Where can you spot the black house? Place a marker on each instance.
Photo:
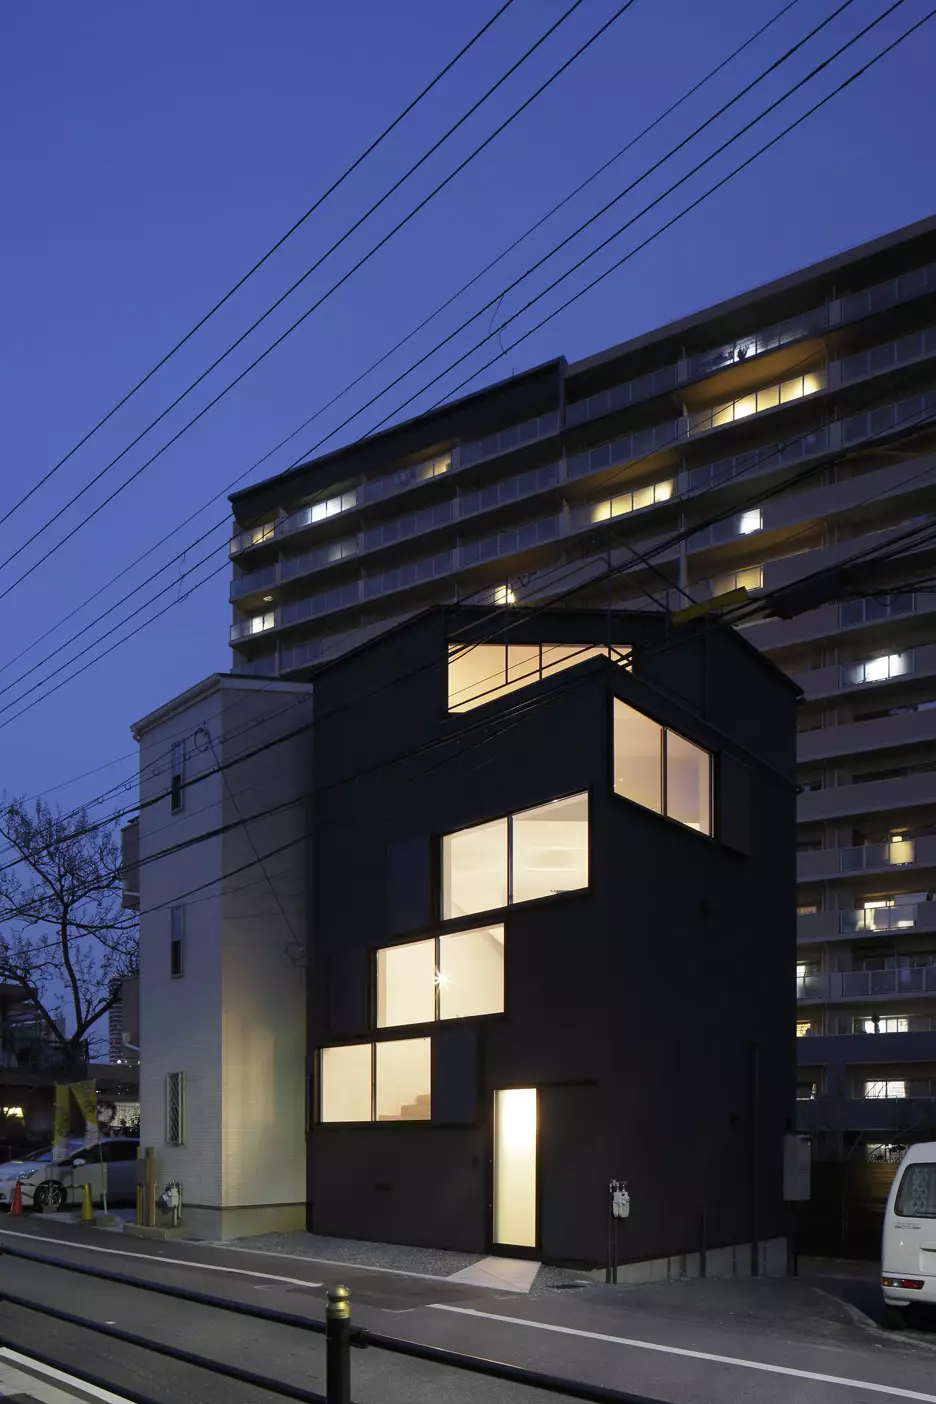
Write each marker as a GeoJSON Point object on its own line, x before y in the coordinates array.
{"type": "Point", "coordinates": [552, 935]}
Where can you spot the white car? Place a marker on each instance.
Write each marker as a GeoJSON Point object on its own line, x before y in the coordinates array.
{"type": "Point", "coordinates": [908, 1258]}
{"type": "Point", "coordinates": [48, 1184]}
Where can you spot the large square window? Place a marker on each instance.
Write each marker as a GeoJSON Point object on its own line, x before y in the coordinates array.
{"type": "Point", "coordinates": [406, 984]}
{"type": "Point", "coordinates": [661, 770]}
{"type": "Point", "coordinates": [471, 973]}
{"type": "Point", "coordinates": [638, 757]}
{"type": "Point", "coordinates": [346, 1082]}
{"type": "Point", "coordinates": [474, 870]}
{"type": "Point", "coordinates": [549, 849]}
{"type": "Point", "coordinates": [404, 1080]}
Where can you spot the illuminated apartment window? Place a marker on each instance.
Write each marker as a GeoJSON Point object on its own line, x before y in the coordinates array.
{"type": "Point", "coordinates": [889, 665]}
{"type": "Point", "coordinates": [768, 398]}
{"type": "Point", "coordinates": [751, 578]}
{"type": "Point", "coordinates": [661, 770]}
{"type": "Point", "coordinates": [504, 595]}
{"type": "Point", "coordinates": [347, 1082]}
{"type": "Point", "coordinates": [404, 1080]}
{"type": "Point", "coordinates": [457, 976]}
{"type": "Point", "coordinates": [477, 673]}
{"type": "Point", "coordinates": [891, 1023]}
{"type": "Point", "coordinates": [749, 522]}
{"type": "Point", "coordinates": [626, 502]}
{"type": "Point", "coordinates": [259, 623]}
{"type": "Point", "coordinates": [535, 853]}
{"type": "Point", "coordinates": [802, 1029]}
{"type": "Point", "coordinates": [321, 511]}
{"type": "Point", "coordinates": [897, 913]}
{"type": "Point", "coordinates": [887, 1089]}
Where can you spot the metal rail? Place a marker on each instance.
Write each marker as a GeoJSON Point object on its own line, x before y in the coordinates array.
{"type": "Point", "coordinates": [339, 1334]}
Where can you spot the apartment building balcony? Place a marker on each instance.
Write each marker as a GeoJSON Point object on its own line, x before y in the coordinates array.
{"type": "Point", "coordinates": [872, 617]}
{"type": "Point", "coordinates": [903, 793]}
{"type": "Point", "coordinates": [873, 675]}
{"type": "Point", "coordinates": [910, 855]}
{"type": "Point", "coordinates": [834, 986]}
{"type": "Point", "coordinates": [854, 738]}
{"type": "Point", "coordinates": [884, 1114]}
{"type": "Point", "coordinates": [846, 923]}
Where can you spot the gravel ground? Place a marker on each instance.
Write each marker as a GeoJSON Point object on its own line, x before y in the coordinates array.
{"type": "Point", "coordinates": [433, 1262]}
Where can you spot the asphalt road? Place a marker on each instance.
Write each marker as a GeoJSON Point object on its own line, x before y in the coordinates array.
{"type": "Point", "coordinates": [760, 1342]}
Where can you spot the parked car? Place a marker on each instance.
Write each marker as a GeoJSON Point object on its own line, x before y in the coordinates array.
{"type": "Point", "coordinates": [908, 1254]}
{"type": "Point", "coordinates": [48, 1184]}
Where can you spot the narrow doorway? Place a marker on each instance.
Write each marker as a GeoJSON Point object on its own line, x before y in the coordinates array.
{"type": "Point", "coordinates": [515, 1152]}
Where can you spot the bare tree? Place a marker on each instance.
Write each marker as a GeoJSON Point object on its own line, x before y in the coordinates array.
{"type": "Point", "coordinates": [64, 937]}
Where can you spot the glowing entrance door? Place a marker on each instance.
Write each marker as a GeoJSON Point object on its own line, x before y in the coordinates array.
{"type": "Point", "coordinates": [515, 1118]}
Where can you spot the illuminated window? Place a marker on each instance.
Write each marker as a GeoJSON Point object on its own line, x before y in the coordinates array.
{"type": "Point", "coordinates": [535, 853]}
{"type": "Point", "coordinates": [457, 976]}
{"type": "Point", "coordinates": [886, 1089]}
{"type": "Point", "coordinates": [626, 502]}
{"type": "Point", "coordinates": [404, 1080]}
{"type": "Point", "coordinates": [892, 1023]}
{"type": "Point", "coordinates": [477, 673]}
{"type": "Point", "coordinates": [890, 665]}
{"type": "Point", "coordinates": [661, 770]}
{"type": "Point", "coordinates": [755, 402]}
{"type": "Point", "coordinates": [751, 578]}
{"type": "Point", "coordinates": [346, 1083]}
{"type": "Point", "coordinates": [515, 1137]}
{"type": "Point", "coordinates": [749, 522]}
{"type": "Point", "coordinates": [321, 511]}
{"type": "Point", "coordinates": [503, 595]}
{"type": "Point", "coordinates": [802, 1029]}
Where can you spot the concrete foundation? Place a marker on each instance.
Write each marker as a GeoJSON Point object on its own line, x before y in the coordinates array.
{"type": "Point", "coordinates": [219, 1225]}
{"type": "Point", "coordinates": [733, 1261]}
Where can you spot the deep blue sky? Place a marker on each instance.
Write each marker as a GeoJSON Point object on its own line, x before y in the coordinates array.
{"type": "Point", "coordinates": [149, 154]}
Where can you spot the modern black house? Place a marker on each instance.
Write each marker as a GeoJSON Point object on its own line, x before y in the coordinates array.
{"type": "Point", "coordinates": [552, 930]}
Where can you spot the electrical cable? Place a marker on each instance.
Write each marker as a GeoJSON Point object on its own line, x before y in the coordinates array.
{"type": "Point", "coordinates": [398, 346]}
{"type": "Point", "coordinates": [346, 173]}
{"type": "Point", "coordinates": [365, 258]}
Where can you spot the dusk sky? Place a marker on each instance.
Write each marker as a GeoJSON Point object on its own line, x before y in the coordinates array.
{"type": "Point", "coordinates": [151, 153]}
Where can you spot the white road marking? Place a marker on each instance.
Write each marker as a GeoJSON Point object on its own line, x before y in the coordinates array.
{"type": "Point", "coordinates": [694, 1354]}
{"type": "Point", "coordinates": [159, 1258]}
{"type": "Point", "coordinates": [52, 1374]}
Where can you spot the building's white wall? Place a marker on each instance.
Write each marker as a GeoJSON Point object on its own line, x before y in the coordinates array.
{"type": "Point", "coordinates": [180, 1020]}
{"type": "Point", "coordinates": [234, 1023]}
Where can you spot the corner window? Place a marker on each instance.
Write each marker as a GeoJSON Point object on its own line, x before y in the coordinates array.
{"type": "Point", "coordinates": [661, 770]}
{"type": "Point", "coordinates": [176, 775]}
{"type": "Point", "coordinates": [535, 853]}
{"type": "Point", "coordinates": [458, 976]}
{"type": "Point", "coordinates": [382, 1082]}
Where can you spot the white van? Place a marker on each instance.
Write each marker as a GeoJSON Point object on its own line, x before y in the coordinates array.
{"type": "Point", "coordinates": [908, 1255]}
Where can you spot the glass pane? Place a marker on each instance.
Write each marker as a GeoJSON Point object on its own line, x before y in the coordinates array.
{"type": "Point", "coordinates": [559, 656]}
{"type": "Point", "coordinates": [515, 1167]}
{"type": "Point", "coordinates": [523, 662]}
{"type": "Point", "coordinates": [474, 870]}
{"type": "Point", "coordinates": [406, 984]}
{"type": "Point", "coordinates": [917, 1193]}
{"type": "Point", "coordinates": [638, 757]}
{"type": "Point", "coordinates": [346, 1083]}
{"type": "Point", "coordinates": [471, 973]}
{"type": "Point", "coordinates": [404, 1078]}
{"type": "Point", "coordinates": [688, 783]}
{"type": "Point", "coordinates": [474, 674]}
{"type": "Point", "coordinates": [550, 849]}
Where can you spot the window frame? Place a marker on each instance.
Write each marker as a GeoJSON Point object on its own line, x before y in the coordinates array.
{"type": "Point", "coordinates": [436, 937]}
{"type": "Point", "coordinates": [373, 1044]}
{"type": "Point", "coordinates": [176, 776]}
{"type": "Point", "coordinates": [662, 813]}
{"type": "Point", "coordinates": [473, 919]}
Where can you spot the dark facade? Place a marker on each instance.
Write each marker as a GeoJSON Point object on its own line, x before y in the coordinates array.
{"type": "Point", "coordinates": [652, 1010]}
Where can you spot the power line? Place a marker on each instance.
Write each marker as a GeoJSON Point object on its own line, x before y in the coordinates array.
{"type": "Point", "coordinates": [760, 77]}
{"type": "Point", "coordinates": [349, 170]}
{"type": "Point", "coordinates": [408, 337]}
{"type": "Point", "coordinates": [365, 258]}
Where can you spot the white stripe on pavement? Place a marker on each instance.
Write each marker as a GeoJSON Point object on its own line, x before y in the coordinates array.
{"type": "Point", "coordinates": [694, 1354]}
{"type": "Point", "coordinates": [34, 1367]}
{"type": "Point", "coordinates": [158, 1258]}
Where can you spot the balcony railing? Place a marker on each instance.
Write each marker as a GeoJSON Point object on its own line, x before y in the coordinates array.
{"type": "Point", "coordinates": [618, 451]}
{"type": "Point", "coordinates": [894, 854]}
{"type": "Point", "coordinates": [513, 438]}
{"type": "Point", "coordinates": [770, 397]}
{"type": "Point", "coordinates": [875, 608]}
{"type": "Point", "coordinates": [257, 624]}
{"type": "Point", "coordinates": [866, 984]}
{"type": "Point", "coordinates": [885, 1024]}
{"type": "Point", "coordinates": [871, 670]}
{"type": "Point", "coordinates": [884, 295]}
{"type": "Point", "coordinates": [900, 414]}
{"type": "Point", "coordinates": [793, 329]}
{"type": "Point", "coordinates": [631, 392]}
{"type": "Point", "coordinates": [376, 489]}
{"type": "Point", "coordinates": [877, 359]}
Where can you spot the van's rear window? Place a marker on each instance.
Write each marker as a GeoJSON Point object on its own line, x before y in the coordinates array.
{"type": "Point", "coordinates": [917, 1193]}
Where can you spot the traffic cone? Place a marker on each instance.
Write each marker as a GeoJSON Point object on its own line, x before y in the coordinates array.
{"type": "Point", "coordinates": [17, 1206]}
{"type": "Point", "coordinates": [87, 1208]}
